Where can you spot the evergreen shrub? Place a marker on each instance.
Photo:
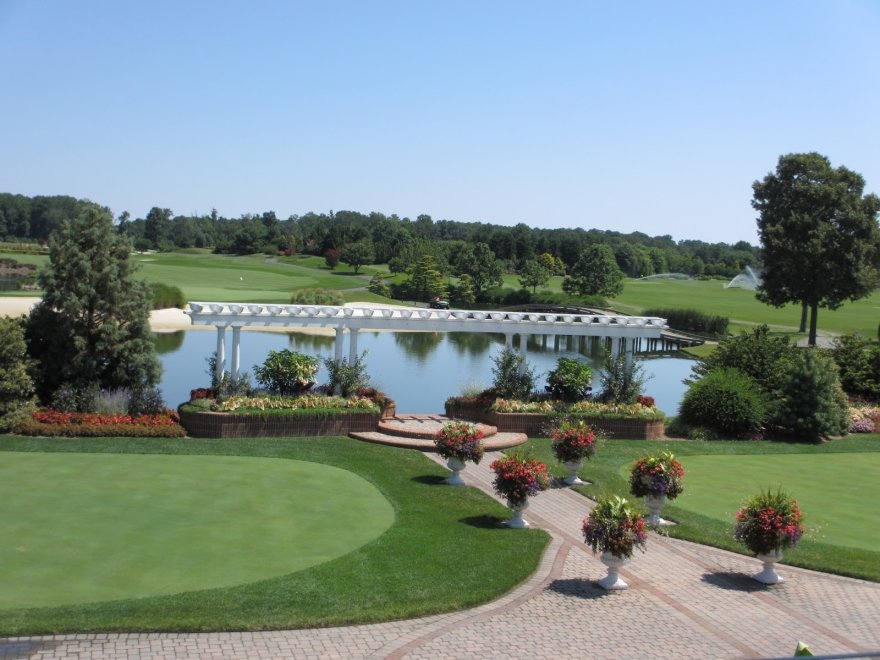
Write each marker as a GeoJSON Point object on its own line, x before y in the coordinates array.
{"type": "Point", "coordinates": [692, 320]}
{"type": "Point", "coordinates": [813, 404]}
{"type": "Point", "coordinates": [725, 400]}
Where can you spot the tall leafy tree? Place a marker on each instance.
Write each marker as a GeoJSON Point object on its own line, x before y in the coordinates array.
{"type": "Point", "coordinates": [818, 233]}
{"type": "Point", "coordinates": [16, 387]}
{"type": "Point", "coordinates": [478, 261]}
{"type": "Point", "coordinates": [533, 274]}
{"type": "Point", "coordinates": [157, 226]}
{"type": "Point", "coordinates": [595, 273]}
{"type": "Point", "coordinates": [357, 255]}
{"type": "Point", "coordinates": [91, 329]}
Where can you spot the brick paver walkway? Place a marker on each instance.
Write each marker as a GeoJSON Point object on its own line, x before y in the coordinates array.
{"type": "Point", "coordinates": [684, 601]}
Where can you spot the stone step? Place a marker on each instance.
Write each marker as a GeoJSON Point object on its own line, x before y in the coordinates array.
{"type": "Point", "coordinates": [495, 442]}
{"type": "Point", "coordinates": [424, 427]}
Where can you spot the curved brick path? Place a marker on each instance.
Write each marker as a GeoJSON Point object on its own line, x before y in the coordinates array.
{"type": "Point", "coordinates": [684, 601]}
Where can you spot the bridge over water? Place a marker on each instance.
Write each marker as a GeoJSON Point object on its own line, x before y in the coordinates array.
{"type": "Point", "coordinates": [622, 334]}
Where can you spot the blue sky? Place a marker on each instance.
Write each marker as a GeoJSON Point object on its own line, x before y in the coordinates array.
{"type": "Point", "coordinates": [638, 116]}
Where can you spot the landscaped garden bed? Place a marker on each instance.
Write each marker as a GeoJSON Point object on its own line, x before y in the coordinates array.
{"type": "Point", "coordinates": [52, 423]}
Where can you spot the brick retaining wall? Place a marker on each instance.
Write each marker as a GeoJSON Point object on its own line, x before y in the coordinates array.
{"type": "Point", "coordinates": [537, 424]}
{"type": "Point", "coordinates": [232, 425]}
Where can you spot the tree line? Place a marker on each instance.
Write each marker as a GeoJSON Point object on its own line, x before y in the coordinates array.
{"type": "Point", "coordinates": [379, 238]}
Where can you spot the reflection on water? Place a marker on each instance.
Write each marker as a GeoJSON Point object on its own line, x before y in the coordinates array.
{"type": "Point", "coordinates": [419, 370]}
{"type": "Point", "coordinates": [168, 342]}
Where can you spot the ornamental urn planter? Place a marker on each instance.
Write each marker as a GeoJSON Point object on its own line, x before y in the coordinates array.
{"type": "Point", "coordinates": [517, 522]}
{"type": "Point", "coordinates": [456, 465]}
{"type": "Point", "coordinates": [612, 581]}
{"type": "Point", "coordinates": [769, 575]}
{"type": "Point", "coordinates": [655, 503]}
{"type": "Point", "coordinates": [573, 468]}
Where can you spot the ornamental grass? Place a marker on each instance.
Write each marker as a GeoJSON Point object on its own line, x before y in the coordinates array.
{"type": "Point", "coordinates": [517, 477]}
{"type": "Point", "coordinates": [461, 440]}
{"type": "Point", "coordinates": [613, 526]}
{"type": "Point", "coordinates": [769, 522]}
{"type": "Point", "coordinates": [657, 475]}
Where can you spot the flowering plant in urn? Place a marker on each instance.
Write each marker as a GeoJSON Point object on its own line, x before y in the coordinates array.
{"type": "Point", "coordinates": [656, 476]}
{"type": "Point", "coordinates": [517, 477]}
{"type": "Point", "coordinates": [613, 526]}
{"type": "Point", "coordinates": [461, 440]}
{"type": "Point", "coordinates": [769, 523]}
{"type": "Point", "coordinates": [573, 441]}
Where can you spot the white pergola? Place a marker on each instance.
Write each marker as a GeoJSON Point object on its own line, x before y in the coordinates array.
{"type": "Point", "coordinates": [623, 331]}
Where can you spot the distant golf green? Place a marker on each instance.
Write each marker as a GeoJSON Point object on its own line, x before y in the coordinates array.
{"type": "Point", "coordinates": [835, 491]}
{"type": "Point", "coordinates": [81, 528]}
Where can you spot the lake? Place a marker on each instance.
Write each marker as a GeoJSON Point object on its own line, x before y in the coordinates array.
{"type": "Point", "coordinates": [419, 370]}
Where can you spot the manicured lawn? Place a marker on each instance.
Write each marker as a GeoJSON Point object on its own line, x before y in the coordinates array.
{"type": "Point", "coordinates": [445, 549]}
{"type": "Point", "coordinates": [740, 305]}
{"type": "Point", "coordinates": [89, 527]}
{"type": "Point", "coordinates": [837, 483]}
{"type": "Point", "coordinates": [718, 485]}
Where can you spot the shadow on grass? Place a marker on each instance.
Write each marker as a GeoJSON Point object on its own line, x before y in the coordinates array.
{"type": "Point", "coordinates": [484, 522]}
{"type": "Point", "coordinates": [430, 479]}
{"type": "Point", "coordinates": [579, 588]}
{"type": "Point", "coordinates": [732, 581]}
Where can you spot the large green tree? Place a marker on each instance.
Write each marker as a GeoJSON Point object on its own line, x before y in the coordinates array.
{"type": "Point", "coordinates": [358, 254]}
{"type": "Point", "coordinates": [533, 274]}
{"type": "Point", "coordinates": [819, 235]}
{"type": "Point", "coordinates": [91, 329]}
{"type": "Point", "coordinates": [595, 273]}
{"type": "Point", "coordinates": [478, 261]}
{"type": "Point", "coordinates": [16, 388]}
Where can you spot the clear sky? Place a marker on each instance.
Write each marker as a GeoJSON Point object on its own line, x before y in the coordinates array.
{"type": "Point", "coordinates": [651, 116]}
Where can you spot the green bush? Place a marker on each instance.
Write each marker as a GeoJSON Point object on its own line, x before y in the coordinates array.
{"type": "Point", "coordinates": [514, 378]}
{"type": "Point", "coordinates": [16, 386]}
{"type": "Point", "coordinates": [344, 378]}
{"type": "Point", "coordinates": [622, 379]}
{"type": "Point", "coordinates": [692, 320]}
{"type": "Point", "coordinates": [571, 380]}
{"type": "Point", "coordinates": [758, 355]}
{"type": "Point", "coordinates": [287, 372]}
{"type": "Point", "coordinates": [812, 404]}
{"type": "Point", "coordinates": [859, 363]}
{"type": "Point", "coordinates": [165, 296]}
{"type": "Point", "coordinates": [316, 297]}
{"type": "Point", "coordinates": [725, 400]}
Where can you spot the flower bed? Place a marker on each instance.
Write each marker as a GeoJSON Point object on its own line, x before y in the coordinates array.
{"type": "Point", "coordinates": [51, 423]}
{"type": "Point", "coordinates": [632, 421]}
{"type": "Point", "coordinates": [864, 419]}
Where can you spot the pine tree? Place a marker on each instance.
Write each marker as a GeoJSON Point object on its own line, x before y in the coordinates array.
{"type": "Point", "coordinates": [812, 403]}
{"type": "Point", "coordinates": [91, 328]}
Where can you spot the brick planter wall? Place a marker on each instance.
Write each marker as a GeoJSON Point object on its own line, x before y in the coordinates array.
{"type": "Point", "coordinates": [232, 425]}
{"type": "Point", "coordinates": [467, 413]}
{"type": "Point", "coordinates": [536, 424]}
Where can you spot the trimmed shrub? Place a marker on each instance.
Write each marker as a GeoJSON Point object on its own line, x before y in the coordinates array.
{"type": "Point", "coordinates": [813, 404]}
{"type": "Point", "coordinates": [571, 380]}
{"type": "Point", "coordinates": [165, 296]}
{"type": "Point", "coordinates": [692, 320]}
{"type": "Point", "coordinates": [16, 387]}
{"type": "Point", "coordinates": [859, 363]}
{"type": "Point", "coordinates": [725, 400]}
{"type": "Point", "coordinates": [287, 372]}
{"type": "Point", "coordinates": [316, 297]}
{"type": "Point", "coordinates": [145, 401]}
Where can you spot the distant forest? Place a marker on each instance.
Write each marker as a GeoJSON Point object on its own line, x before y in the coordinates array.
{"type": "Point", "coordinates": [382, 239]}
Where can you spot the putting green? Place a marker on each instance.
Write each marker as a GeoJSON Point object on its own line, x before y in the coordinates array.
{"type": "Point", "coordinates": [836, 492]}
{"type": "Point", "coordinates": [91, 527]}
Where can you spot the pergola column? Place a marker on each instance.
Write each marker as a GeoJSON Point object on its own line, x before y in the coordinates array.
{"type": "Point", "coordinates": [220, 364]}
{"type": "Point", "coordinates": [236, 353]}
{"type": "Point", "coordinates": [337, 348]}
{"type": "Point", "coordinates": [352, 346]}
{"type": "Point", "coordinates": [508, 340]}
{"type": "Point", "coordinates": [524, 351]}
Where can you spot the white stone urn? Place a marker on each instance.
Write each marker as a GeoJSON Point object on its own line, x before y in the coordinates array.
{"type": "Point", "coordinates": [456, 465]}
{"type": "Point", "coordinates": [573, 468]}
{"type": "Point", "coordinates": [517, 522]}
{"type": "Point", "coordinates": [612, 581]}
{"type": "Point", "coordinates": [655, 503]}
{"type": "Point", "coordinates": [769, 575]}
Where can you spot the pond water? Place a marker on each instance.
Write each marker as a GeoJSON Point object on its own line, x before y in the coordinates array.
{"type": "Point", "coordinates": [419, 370]}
